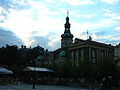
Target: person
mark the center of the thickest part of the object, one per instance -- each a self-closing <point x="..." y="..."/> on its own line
<point x="95" y="85"/>
<point x="109" y="82"/>
<point x="104" y="81"/>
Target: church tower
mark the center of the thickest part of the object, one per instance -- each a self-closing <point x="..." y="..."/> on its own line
<point x="67" y="37"/>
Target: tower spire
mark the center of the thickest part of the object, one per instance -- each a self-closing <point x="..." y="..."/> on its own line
<point x="67" y="13"/>
<point x="67" y="24"/>
<point x="67" y="37"/>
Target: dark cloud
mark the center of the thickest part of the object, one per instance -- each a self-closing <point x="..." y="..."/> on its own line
<point x="14" y="4"/>
<point x="41" y="40"/>
<point x="44" y="41"/>
<point x="8" y="37"/>
<point x="6" y="5"/>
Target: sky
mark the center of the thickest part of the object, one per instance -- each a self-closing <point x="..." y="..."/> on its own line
<point x="41" y="22"/>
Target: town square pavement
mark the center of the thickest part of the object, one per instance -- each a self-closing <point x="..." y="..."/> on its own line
<point x="38" y="87"/>
<point x="43" y="87"/>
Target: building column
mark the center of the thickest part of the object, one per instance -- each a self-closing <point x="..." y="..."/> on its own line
<point x="97" y="55"/>
<point x="89" y="54"/>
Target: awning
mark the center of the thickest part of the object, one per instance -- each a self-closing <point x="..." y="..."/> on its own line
<point x="37" y="69"/>
<point x="5" y="71"/>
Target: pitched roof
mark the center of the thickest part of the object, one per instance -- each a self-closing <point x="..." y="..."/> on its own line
<point x="81" y="42"/>
<point x="5" y="71"/>
<point x="37" y="69"/>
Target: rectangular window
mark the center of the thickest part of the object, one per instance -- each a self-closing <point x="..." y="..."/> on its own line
<point x="93" y="53"/>
<point x="82" y="53"/>
<point x="72" y="54"/>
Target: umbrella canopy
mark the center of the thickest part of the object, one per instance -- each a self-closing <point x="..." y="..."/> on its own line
<point x="5" y="71"/>
<point x="37" y="69"/>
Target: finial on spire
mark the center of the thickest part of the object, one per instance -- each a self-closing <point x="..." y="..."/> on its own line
<point x="67" y="13"/>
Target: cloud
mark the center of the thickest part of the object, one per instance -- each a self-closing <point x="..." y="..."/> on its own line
<point x="7" y="5"/>
<point x="45" y="41"/>
<point x="78" y="2"/>
<point x="101" y="36"/>
<point x="32" y="24"/>
<point x="117" y="28"/>
<point x="3" y="15"/>
<point x="48" y="1"/>
<point x="34" y="20"/>
<point x="108" y="41"/>
<point x="104" y="37"/>
<point x="113" y="16"/>
<point x="107" y="10"/>
<point x="86" y="15"/>
<point x="110" y="1"/>
<point x="55" y="43"/>
<point x="14" y="4"/>
<point x="8" y="37"/>
<point x="84" y="26"/>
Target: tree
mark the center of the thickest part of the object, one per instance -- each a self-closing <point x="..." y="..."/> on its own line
<point x="86" y="70"/>
<point x="9" y="55"/>
<point x="105" y="67"/>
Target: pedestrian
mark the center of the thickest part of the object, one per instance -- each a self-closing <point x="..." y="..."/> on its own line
<point x="95" y="85"/>
<point x="104" y="83"/>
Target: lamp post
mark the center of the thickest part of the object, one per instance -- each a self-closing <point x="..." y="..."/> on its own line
<point x="34" y="64"/>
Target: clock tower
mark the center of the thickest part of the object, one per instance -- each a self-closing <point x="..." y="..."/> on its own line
<point x="67" y="37"/>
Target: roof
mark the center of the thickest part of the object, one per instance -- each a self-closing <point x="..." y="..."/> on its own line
<point x="37" y="69"/>
<point x="63" y="53"/>
<point x="58" y="50"/>
<point x="5" y="71"/>
<point x="80" y="42"/>
<point x="40" y="57"/>
<point x="67" y="35"/>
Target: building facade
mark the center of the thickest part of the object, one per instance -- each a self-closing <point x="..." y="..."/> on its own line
<point x="80" y="49"/>
<point x="117" y="52"/>
<point x="89" y="50"/>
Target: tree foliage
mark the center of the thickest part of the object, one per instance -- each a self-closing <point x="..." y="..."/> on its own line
<point x="90" y="71"/>
<point x="9" y="55"/>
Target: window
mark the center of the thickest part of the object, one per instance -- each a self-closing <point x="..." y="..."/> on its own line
<point x="72" y="54"/>
<point x="77" y="53"/>
<point x="93" y="53"/>
<point x="82" y="53"/>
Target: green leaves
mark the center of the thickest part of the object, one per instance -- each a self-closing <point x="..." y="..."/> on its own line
<point x="86" y="69"/>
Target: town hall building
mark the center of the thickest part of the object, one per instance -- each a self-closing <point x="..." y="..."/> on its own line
<point x="79" y="49"/>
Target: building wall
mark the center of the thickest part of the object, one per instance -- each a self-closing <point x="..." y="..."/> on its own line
<point x="93" y="54"/>
<point x="66" y="42"/>
<point x="117" y="52"/>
